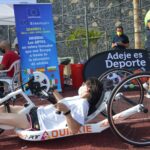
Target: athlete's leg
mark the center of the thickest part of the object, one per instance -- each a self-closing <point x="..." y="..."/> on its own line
<point x="16" y="108"/>
<point x="13" y="109"/>
<point x="15" y="120"/>
<point x="2" y="108"/>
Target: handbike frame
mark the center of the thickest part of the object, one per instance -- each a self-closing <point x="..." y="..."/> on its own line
<point x="64" y="132"/>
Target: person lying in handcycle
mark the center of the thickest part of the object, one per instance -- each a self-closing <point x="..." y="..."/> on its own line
<point x="72" y="110"/>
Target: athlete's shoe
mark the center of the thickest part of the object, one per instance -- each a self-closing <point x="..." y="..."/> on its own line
<point x="148" y="94"/>
<point x="145" y="86"/>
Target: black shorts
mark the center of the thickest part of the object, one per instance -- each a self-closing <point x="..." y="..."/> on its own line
<point x="33" y="119"/>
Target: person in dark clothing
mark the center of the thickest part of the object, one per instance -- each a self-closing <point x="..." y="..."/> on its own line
<point x="147" y="47"/>
<point x="120" y="40"/>
<point x="147" y="42"/>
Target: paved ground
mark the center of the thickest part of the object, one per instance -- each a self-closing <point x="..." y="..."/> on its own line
<point x="101" y="141"/>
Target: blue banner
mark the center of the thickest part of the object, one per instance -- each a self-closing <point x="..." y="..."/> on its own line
<point x="37" y="43"/>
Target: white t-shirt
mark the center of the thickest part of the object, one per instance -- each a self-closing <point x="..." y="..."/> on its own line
<point x="49" y="119"/>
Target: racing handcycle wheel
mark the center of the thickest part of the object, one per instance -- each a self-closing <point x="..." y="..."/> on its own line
<point x="111" y="79"/>
<point x="133" y="126"/>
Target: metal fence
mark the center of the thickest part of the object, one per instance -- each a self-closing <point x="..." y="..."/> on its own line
<point x="102" y="15"/>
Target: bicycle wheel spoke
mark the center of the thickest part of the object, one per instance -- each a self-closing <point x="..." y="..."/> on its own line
<point x="116" y="76"/>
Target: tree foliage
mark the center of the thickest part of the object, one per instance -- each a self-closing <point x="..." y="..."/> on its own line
<point x="81" y="34"/>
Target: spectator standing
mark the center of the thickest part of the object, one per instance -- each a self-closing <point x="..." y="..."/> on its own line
<point x="147" y="42"/>
<point x="120" y="40"/>
<point x="147" y="47"/>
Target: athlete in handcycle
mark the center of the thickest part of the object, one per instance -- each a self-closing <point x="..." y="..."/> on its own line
<point x="124" y="110"/>
<point x="69" y="111"/>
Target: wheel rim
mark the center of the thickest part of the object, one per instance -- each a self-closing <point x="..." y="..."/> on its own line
<point x="133" y="129"/>
<point x="121" y="73"/>
<point x="39" y="77"/>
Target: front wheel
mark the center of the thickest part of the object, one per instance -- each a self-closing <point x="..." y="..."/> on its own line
<point x="131" y="122"/>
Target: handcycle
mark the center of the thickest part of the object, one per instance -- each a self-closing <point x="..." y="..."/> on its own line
<point x="118" y="115"/>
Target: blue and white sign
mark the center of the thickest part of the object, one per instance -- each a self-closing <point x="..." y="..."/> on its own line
<point x="130" y="59"/>
<point x="36" y="38"/>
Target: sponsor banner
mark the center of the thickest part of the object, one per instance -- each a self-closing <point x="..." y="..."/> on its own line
<point x="37" y="43"/>
<point x="131" y="59"/>
<point x="53" y="134"/>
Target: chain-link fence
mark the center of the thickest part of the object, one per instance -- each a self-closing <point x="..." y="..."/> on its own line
<point x="86" y="27"/>
<point x="103" y="15"/>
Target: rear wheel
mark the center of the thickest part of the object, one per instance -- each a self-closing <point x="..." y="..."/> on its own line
<point x="133" y="126"/>
<point x="116" y="76"/>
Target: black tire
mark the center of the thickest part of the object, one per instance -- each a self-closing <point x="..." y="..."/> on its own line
<point x="134" y="129"/>
<point x="123" y="73"/>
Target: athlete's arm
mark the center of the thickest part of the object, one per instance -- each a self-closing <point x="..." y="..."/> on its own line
<point x="57" y="96"/>
<point x="73" y="125"/>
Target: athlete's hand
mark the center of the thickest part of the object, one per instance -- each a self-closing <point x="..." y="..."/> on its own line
<point x="61" y="107"/>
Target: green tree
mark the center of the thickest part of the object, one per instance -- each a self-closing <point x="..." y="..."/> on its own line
<point x="80" y="34"/>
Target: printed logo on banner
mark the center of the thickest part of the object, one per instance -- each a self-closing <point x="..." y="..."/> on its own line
<point x="125" y="60"/>
<point x="34" y="12"/>
<point x="37" y="43"/>
<point x="131" y="59"/>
